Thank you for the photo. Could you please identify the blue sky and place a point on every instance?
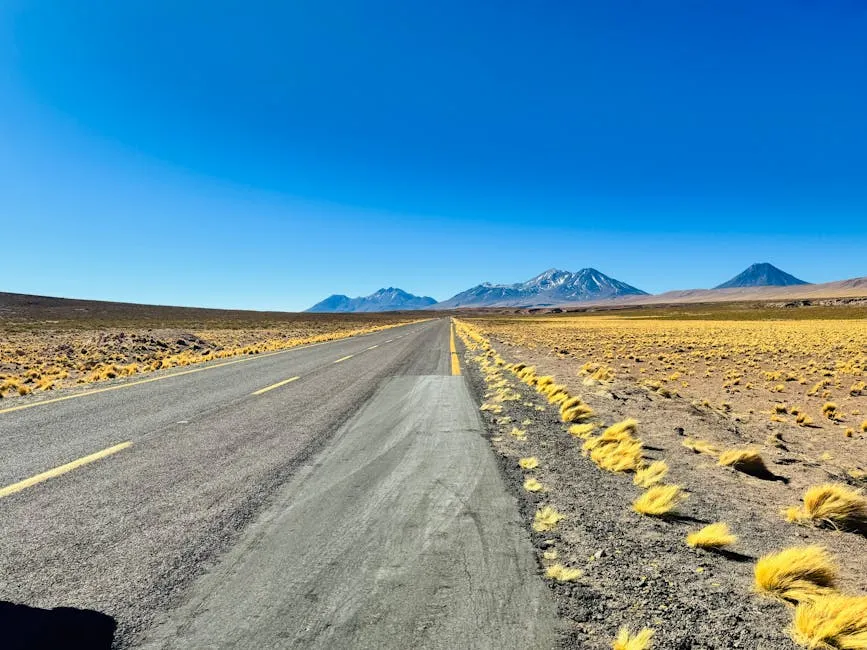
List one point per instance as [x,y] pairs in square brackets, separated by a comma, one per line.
[266,154]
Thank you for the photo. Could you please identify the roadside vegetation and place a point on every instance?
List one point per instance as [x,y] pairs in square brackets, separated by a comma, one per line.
[740,459]
[49,349]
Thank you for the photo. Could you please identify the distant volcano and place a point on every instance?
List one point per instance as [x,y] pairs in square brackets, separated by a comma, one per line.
[761,275]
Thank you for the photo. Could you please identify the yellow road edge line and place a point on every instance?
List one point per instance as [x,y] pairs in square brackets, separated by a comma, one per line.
[63,469]
[453,351]
[372,347]
[344,358]
[277,385]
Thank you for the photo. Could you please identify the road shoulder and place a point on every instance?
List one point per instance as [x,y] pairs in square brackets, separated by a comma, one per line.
[400,534]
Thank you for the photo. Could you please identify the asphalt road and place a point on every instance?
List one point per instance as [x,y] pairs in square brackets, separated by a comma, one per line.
[355,506]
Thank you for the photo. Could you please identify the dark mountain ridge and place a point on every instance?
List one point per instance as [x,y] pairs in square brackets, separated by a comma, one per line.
[390,299]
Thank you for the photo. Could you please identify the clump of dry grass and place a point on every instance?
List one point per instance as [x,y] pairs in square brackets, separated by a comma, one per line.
[803,420]
[832,505]
[748,461]
[616,449]
[529,462]
[574,409]
[712,536]
[623,456]
[532,485]
[562,573]
[651,474]
[659,500]
[701,446]
[626,640]
[546,518]
[796,574]
[830,410]
[833,621]
[582,430]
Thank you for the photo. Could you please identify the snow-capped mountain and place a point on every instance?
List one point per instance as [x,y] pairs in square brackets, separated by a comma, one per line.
[553,287]
[390,299]
[761,275]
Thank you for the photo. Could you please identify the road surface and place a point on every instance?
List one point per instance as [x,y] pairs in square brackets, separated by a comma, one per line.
[331,496]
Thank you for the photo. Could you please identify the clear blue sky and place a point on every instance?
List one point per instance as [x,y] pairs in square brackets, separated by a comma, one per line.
[266,154]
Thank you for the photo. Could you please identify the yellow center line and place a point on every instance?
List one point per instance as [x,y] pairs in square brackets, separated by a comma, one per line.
[389,340]
[344,358]
[453,351]
[372,346]
[63,469]
[277,385]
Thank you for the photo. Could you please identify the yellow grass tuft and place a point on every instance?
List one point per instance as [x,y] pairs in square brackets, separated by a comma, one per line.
[830,410]
[532,485]
[796,574]
[562,573]
[833,621]
[623,456]
[574,409]
[713,536]
[629,425]
[546,518]
[518,434]
[701,446]
[803,420]
[748,461]
[625,640]
[659,500]
[651,475]
[529,462]
[832,505]
[582,430]
[864,426]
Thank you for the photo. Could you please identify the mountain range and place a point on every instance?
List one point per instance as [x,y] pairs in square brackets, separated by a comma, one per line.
[552,288]
[390,299]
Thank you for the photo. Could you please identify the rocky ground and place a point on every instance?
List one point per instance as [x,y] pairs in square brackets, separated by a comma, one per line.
[637,570]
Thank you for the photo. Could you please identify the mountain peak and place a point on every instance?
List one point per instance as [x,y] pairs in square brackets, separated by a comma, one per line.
[761,274]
